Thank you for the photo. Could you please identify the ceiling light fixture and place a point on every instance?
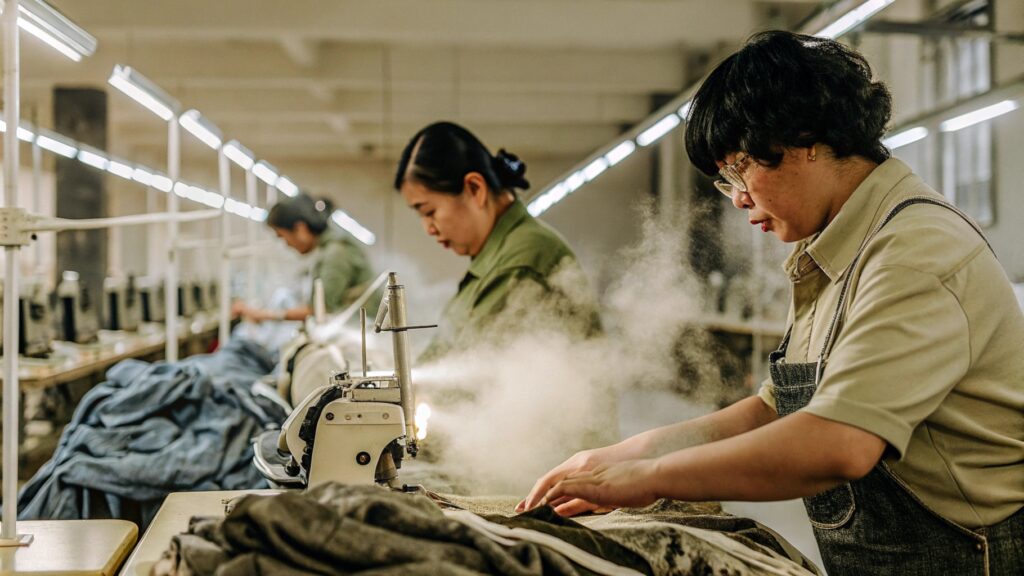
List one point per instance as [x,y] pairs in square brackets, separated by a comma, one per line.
[852,19]
[354,228]
[659,129]
[144,91]
[977,116]
[57,144]
[198,126]
[239,154]
[266,172]
[905,137]
[44,22]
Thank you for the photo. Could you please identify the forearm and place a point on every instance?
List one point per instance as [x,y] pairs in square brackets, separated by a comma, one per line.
[794,457]
[743,416]
[297,313]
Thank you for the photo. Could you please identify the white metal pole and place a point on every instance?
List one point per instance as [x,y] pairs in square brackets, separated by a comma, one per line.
[12,112]
[37,199]
[250,197]
[224,280]
[171,279]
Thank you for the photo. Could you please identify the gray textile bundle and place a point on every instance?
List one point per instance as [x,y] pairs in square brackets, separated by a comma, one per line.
[366,530]
[336,529]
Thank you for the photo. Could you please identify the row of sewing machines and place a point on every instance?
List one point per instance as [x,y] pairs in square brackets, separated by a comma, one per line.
[72,314]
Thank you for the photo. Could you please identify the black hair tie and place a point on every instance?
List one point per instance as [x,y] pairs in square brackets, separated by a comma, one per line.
[510,169]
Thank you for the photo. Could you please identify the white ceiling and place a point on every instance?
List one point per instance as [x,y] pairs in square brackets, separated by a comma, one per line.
[342,79]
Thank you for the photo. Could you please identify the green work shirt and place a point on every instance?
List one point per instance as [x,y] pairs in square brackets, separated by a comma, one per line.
[343,268]
[928,356]
[524,278]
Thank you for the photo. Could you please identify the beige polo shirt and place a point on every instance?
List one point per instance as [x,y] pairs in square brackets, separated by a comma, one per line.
[930,356]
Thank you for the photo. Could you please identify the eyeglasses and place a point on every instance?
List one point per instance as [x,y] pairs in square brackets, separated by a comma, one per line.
[732,181]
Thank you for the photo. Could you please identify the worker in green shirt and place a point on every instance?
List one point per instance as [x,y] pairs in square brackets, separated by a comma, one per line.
[304,223]
[522,274]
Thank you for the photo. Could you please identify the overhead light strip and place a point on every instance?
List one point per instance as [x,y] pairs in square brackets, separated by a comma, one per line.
[47,24]
[673,114]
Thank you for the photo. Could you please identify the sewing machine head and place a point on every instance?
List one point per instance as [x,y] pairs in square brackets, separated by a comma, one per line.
[79,320]
[354,430]
[151,298]
[35,331]
[187,305]
[123,309]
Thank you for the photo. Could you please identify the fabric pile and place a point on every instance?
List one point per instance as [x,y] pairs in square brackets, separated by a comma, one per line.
[152,429]
[367,530]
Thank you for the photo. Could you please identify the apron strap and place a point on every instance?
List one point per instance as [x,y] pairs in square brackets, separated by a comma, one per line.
[831,335]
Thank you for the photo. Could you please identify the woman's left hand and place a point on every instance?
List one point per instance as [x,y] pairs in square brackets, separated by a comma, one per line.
[628,484]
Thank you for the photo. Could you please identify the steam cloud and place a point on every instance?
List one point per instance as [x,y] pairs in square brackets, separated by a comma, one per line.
[504,413]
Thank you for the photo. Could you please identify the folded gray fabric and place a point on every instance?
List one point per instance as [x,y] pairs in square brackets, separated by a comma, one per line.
[366,530]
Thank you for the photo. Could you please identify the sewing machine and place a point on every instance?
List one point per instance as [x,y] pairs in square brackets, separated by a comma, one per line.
[151,297]
[79,321]
[35,330]
[122,311]
[186,300]
[352,429]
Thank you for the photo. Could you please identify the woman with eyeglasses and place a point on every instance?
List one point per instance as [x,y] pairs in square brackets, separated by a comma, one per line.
[895,406]
[521,274]
[304,223]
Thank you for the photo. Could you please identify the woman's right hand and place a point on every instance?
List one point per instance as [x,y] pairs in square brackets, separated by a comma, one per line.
[583,461]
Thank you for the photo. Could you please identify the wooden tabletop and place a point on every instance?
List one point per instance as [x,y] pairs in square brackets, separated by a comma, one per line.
[70,547]
[172,519]
[70,361]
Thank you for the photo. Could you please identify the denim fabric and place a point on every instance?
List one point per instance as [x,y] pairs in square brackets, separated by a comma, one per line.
[152,429]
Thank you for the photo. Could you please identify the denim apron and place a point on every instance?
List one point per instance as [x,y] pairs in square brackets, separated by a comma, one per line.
[877,525]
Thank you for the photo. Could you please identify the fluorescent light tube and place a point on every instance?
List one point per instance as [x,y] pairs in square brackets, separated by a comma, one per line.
[201,128]
[161,182]
[239,208]
[25,134]
[181,189]
[258,215]
[121,169]
[595,169]
[57,144]
[143,176]
[980,115]
[239,154]
[685,109]
[212,199]
[573,182]
[285,185]
[908,136]
[57,45]
[659,129]
[94,158]
[265,171]
[145,92]
[354,228]
[620,152]
[44,22]
[852,19]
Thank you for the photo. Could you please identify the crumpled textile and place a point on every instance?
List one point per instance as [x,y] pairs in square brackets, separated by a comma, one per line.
[152,429]
[366,530]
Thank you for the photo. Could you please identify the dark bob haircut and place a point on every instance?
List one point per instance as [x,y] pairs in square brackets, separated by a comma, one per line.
[315,212]
[440,155]
[785,90]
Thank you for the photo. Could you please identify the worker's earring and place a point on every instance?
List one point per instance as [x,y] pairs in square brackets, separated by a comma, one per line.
[812,154]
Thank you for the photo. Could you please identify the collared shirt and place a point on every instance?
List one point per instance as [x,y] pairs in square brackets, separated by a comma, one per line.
[929,355]
[343,268]
[525,275]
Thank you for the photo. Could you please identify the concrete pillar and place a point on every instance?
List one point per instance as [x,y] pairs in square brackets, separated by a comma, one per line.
[81,113]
